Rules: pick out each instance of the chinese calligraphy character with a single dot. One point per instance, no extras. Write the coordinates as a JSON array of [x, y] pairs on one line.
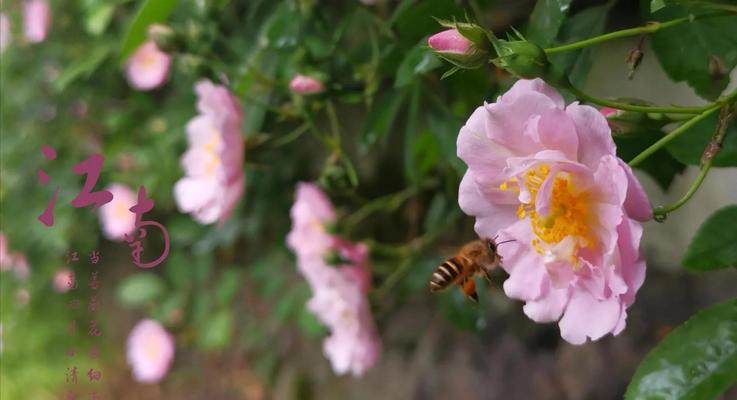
[[94, 375], [94, 353], [47, 216], [72, 256], [94, 331], [71, 395], [91, 168], [93, 302], [143, 206], [71, 374], [95, 257], [71, 280], [94, 284]]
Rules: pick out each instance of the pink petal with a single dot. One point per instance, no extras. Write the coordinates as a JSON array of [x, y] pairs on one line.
[[637, 205], [476, 149], [526, 270], [549, 307], [586, 317], [594, 134], [449, 41], [491, 218]]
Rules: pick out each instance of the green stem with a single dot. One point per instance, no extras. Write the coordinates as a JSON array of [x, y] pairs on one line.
[[333, 118], [648, 28], [661, 212], [389, 202], [672, 135], [292, 136], [633, 107]]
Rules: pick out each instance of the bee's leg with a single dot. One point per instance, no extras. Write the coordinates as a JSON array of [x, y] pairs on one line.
[[469, 289], [487, 275]]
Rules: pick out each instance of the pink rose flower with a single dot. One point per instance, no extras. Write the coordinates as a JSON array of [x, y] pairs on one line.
[[449, 41], [63, 280], [36, 20], [150, 351], [214, 180], [303, 84], [148, 67], [4, 31], [546, 175], [115, 217], [339, 292]]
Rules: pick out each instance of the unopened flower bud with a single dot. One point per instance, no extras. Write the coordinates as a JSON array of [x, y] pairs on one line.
[[165, 38], [336, 177], [303, 84], [521, 58], [464, 45]]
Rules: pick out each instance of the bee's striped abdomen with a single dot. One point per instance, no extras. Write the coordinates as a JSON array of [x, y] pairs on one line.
[[446, 274]]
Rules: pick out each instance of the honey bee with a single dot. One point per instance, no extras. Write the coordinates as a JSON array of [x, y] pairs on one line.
[[476, 258]]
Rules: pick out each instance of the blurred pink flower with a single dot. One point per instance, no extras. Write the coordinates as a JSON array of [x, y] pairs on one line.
[[303, 84], [311, 213], [148, 67], [36, 20], [13, 261], [63, 280], [4, 31], [213, 164], [150, 351], [115, 217], [547, 176], [607, 111], [339, 292], [449, 41]]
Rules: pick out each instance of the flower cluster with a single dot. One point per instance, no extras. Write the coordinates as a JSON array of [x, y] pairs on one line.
[[546, 176], [150, 351], [214, 180], [339, 292]]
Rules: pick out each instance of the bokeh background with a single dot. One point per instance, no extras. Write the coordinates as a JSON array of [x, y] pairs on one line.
[[230, 293]]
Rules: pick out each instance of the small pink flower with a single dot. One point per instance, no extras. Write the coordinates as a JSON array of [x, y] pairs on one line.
[[36, 20], [115, 217], [546, 175], [303, 84], [4, 31], [150, 351], [13, 261], [5, 264], [63, 280], [449, 41], [213, 164], [148, 67], [339, 292]]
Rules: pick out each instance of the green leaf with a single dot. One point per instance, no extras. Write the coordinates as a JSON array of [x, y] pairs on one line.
[[151, 11], [684, 50], [584, 24], [545, 21], [216, 332], [380, 118], [656, 5], [689, 147], [140, 288], [98, 18], [418, 61], [230, 282], [82, 68], [715, 243], [697, 361]]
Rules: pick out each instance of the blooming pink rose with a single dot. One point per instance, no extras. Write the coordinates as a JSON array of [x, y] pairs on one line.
[[214, 180], [339, 292], [148, 67], [4, 31], [546, 175], [63, 280], [303, 84], [150, 351], [115, 217], [36, 20], [449, 41]]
